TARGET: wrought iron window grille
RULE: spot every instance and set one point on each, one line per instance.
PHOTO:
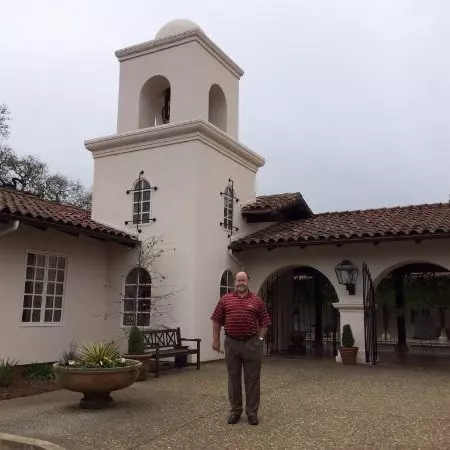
(140, 188)
(227, 224)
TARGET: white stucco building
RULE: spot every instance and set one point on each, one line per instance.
(177, 170)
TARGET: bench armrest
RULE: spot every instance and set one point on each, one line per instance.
(192, 340)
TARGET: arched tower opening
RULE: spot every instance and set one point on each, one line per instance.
(217, 112)
(154, 102)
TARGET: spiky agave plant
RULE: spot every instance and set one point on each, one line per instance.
(101, 355)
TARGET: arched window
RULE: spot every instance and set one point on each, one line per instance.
(137, 298)
(154, 102)
(226, 282)
(228, 208)
(217, 113)
(141, 201)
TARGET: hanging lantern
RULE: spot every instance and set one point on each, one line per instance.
(347, 274)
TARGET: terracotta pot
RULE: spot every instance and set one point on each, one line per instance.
(348, 355)
(97, 384)
(145, 368)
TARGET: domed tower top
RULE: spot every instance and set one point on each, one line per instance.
(175, 27)
(179, 76)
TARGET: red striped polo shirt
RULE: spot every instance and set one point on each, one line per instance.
(241, 316)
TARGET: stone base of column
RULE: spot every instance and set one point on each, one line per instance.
(353, 314)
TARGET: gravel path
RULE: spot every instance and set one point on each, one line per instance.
(305, 405)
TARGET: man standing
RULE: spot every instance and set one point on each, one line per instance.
(245, 320)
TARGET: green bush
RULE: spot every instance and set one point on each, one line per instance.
(7, 371)
(347, 336)
(39, 371)
(136, 344)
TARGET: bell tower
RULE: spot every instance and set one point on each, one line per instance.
(176, 170)
(179, 76)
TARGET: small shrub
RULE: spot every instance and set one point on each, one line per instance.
(70, 355)
(347, 336)
(39, 372)
(136, 344)
(7, 371)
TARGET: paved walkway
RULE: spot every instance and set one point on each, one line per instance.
(305, 405)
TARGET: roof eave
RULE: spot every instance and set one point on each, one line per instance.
(300, 206)
(73, 230)
(240, 246)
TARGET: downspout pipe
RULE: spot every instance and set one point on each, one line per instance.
(11, 229)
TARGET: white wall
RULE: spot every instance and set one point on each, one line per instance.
(188, 209)
(84, 302)
(211, 240)
(173, 169)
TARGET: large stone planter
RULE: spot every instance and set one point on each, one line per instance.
(97, 384)
(144, 369)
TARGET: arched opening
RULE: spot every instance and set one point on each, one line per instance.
(141, 201)
(217, 112)
(137, 298)
(226, 282)
(154, 102)
(413, 311)
(300, 303)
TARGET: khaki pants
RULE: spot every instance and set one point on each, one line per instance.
(246, 354)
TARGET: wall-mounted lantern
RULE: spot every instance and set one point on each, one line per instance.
(347, 274)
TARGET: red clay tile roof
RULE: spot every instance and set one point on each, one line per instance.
(274, 203)
(29, 208)
(418, 221)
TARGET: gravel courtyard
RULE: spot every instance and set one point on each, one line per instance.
(306, 404)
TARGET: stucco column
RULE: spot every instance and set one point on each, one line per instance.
(353, 314)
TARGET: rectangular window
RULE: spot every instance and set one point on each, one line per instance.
(44, 288)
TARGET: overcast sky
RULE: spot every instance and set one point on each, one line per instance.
(348, 100)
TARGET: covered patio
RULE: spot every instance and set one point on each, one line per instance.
(399, 242)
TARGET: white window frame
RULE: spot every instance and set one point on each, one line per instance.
(45, 282)
(122, 317)
(229, 286)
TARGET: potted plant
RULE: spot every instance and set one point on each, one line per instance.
(347, 350)
(96, 370)
(136, 351)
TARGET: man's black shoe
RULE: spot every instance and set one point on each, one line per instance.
(253, 420)
(233, 419)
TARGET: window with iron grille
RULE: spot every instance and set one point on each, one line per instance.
(137, 298)
(226, 282)
(141, 201)
(228, 208)
(43, 298)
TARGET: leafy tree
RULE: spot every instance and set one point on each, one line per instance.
(31, 174)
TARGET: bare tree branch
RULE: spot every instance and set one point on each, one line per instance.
(147, 255)
(29, 173)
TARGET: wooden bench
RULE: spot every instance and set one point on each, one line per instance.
(167, 343)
